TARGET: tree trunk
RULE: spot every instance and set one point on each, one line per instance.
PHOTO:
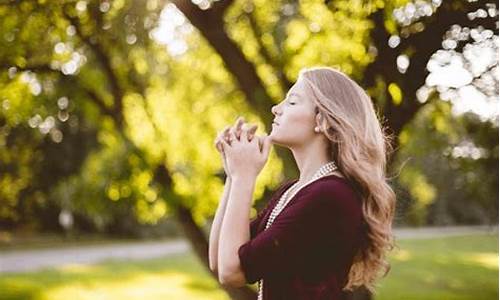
(210, 24)
(199, 244)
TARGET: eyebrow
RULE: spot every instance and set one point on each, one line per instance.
(292, 93)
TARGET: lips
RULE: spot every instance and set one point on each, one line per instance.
(275, 123)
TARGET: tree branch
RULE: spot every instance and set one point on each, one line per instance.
(276, 64)
(220, 7)
(104, 61)
(211, 25)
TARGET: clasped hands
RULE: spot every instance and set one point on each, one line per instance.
(243, 153)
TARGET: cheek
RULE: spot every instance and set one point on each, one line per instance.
(302, 120)
(298, 124)
(298, 115)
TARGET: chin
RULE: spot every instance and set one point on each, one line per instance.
(272, 137)
(275, 141)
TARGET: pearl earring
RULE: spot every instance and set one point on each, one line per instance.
(316, 129)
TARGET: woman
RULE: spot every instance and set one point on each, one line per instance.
(327, 232)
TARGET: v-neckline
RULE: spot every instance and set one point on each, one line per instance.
(291, 183)
(306, 185)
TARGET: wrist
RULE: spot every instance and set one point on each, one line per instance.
(243, 178)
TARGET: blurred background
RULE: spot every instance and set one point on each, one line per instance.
(109, 179)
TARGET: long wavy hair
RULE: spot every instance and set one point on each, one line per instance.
(360, 148)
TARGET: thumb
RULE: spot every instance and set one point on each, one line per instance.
(266, 146)
(260, 140)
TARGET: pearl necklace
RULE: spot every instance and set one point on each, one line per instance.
(324, 170)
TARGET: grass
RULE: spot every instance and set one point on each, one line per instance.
(452, 268)
(176, 277)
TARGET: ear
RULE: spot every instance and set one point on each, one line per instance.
(318, 116)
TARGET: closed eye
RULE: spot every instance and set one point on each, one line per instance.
(290, 97)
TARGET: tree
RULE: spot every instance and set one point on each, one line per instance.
(138, 98)
(422, 38)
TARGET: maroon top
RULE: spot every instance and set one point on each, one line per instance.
(307, 252)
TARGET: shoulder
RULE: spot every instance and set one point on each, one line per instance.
(332, 184)
(333, 191)
(335, 200)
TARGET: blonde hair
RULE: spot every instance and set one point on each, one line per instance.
(360, 147)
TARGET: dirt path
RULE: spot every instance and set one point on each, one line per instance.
(435, 232)
(31, 260)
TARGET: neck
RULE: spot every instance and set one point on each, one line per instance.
(310, 158)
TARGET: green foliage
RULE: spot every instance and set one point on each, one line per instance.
(87, 79)
(443, 173)
(114, 185)
(156, 108)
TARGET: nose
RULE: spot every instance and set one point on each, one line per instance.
(274, 109)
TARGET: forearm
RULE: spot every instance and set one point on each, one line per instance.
(235, 229)
(216, 226)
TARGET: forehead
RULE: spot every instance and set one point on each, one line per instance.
(298, 88)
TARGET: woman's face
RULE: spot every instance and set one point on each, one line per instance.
(294, 117)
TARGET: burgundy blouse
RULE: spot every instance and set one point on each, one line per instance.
(307, 252)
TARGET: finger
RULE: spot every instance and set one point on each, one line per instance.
(217, 141)
(255, 143)
(224, 149)
(239, 125)
(225, 133)
(251, 132)
(244, 133)
(225, 146)
(220, 134)
(218, 145)
(234, 136)
(231, 135)
(240, 120)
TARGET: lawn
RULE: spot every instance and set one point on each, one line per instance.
(175, 277)
(464, 267)
(452, 268)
